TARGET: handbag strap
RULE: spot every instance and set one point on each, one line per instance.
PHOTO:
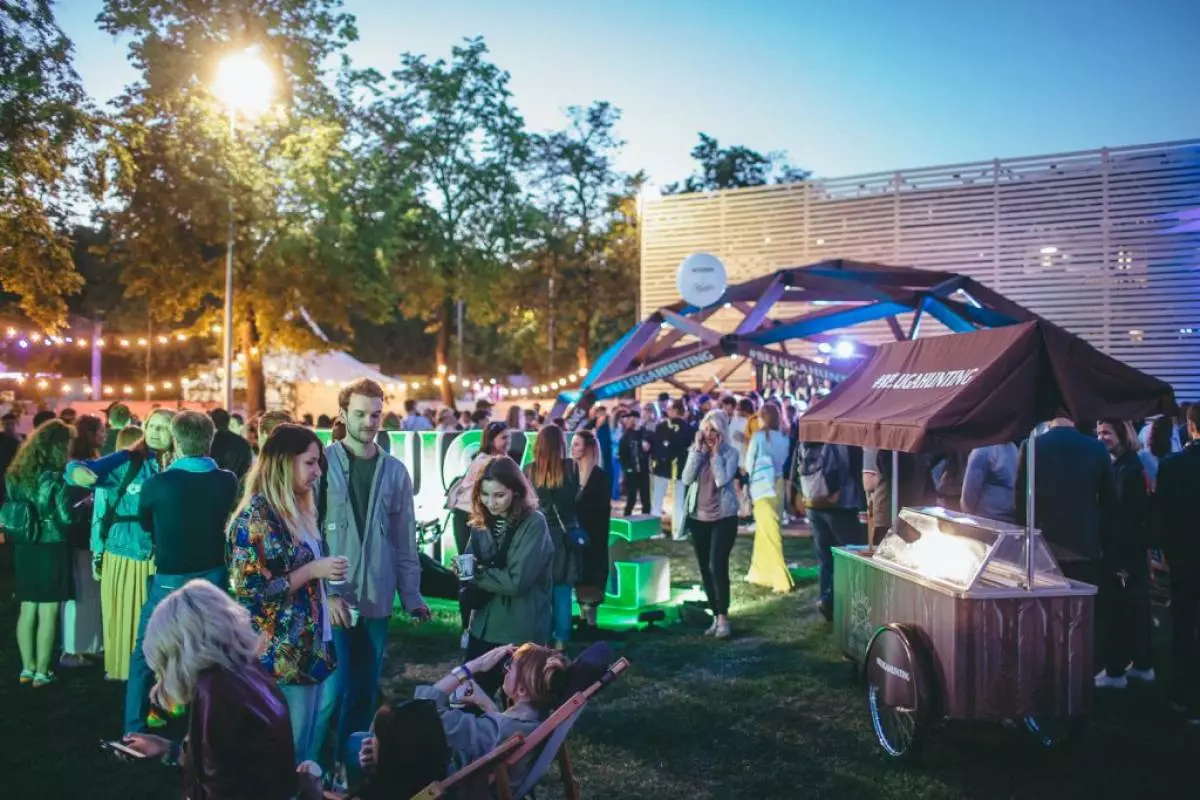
(136, 460)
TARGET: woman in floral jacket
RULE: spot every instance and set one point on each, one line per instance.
(277, 570)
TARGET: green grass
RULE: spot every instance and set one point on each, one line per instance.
(773, 713)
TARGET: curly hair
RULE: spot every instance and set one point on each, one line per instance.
(505, 471)
(44, 451)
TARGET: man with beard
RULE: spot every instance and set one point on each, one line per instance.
(366, 513)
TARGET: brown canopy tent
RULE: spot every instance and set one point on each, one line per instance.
(955, 392)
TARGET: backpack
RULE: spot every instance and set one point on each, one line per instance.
(820, 476)
(19, 521)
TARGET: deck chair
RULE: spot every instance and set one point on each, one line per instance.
(474, 776)
(549, 740)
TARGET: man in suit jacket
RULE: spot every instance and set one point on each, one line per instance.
(1178, 531)
(1074, 498)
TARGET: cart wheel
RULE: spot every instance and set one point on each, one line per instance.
(1055, 732)
(901, 697)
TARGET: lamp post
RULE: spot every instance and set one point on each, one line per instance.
(245, 85)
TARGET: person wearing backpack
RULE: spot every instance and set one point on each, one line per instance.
(36, 516)
(122, 550)
(832, 498)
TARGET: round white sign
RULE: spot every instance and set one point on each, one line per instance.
(701, 279)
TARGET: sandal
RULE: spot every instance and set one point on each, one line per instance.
(41, 679)
(26, 676)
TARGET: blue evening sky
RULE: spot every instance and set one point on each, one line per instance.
(845, 86)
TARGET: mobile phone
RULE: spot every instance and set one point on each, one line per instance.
(121, 750)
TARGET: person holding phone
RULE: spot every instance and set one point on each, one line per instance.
(204, 654)
(712, 464)
(277, 572)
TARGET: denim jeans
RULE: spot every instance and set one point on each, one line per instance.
(137, 690)
(304, 704)
(830, 527)
(560, 612)
(348, 695)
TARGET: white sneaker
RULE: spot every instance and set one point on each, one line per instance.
(1106, 681)
(1140, 675)
(723, 630)
(712, 629)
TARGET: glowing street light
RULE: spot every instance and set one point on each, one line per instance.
(245, 85)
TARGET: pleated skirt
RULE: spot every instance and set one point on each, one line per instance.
(122, 595)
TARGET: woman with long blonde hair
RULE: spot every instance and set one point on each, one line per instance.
(204, 655)
(593, 509)
(766, 455)
(555, 478)
(277, 572)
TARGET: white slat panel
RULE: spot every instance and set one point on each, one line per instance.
(1115, 276)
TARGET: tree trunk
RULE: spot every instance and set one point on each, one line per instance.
(585, 341)
(256, 385)
(443, 349)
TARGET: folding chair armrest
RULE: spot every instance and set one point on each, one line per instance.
(481, 764)
(543, 732)
(611, 674)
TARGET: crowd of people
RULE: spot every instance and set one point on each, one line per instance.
(245, 575)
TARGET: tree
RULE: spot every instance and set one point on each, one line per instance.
(44, 118)
(176, 163)
(735, 167)
(577, 178)
(450, 127)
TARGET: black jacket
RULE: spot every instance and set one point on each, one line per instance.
(669, 447)
(1074, 493)
(232, 452)
(631, 454)
(1176, 520)
(1128, 542)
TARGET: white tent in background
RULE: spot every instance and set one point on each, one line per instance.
(303, 383)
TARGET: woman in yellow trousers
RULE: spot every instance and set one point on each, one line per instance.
(765, 456)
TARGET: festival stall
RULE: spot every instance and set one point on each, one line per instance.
(953, 616)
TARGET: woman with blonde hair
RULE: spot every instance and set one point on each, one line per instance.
(204, 655)
(42, 553)
(122, 550)
(277, 572)
(712, 508)
(594, 512)
(555, 478)
(766, 454)
(508, 600)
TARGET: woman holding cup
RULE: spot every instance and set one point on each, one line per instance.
(278, 569)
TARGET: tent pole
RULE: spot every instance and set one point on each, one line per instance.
(895, 487)
(1030, 482)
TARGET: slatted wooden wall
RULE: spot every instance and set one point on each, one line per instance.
(1081, 238)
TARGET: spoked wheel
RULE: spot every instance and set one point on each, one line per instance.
(901, 697)
(1054, 733)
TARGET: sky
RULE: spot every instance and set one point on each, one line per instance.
(844, 86)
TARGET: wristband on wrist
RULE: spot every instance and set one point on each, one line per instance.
(462, 673)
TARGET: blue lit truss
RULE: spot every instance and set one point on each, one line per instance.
(675, 338)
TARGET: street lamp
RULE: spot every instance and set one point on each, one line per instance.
(245, 85)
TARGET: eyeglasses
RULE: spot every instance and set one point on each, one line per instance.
(508, 664)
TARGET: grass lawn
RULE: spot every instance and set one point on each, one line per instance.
(773, 713)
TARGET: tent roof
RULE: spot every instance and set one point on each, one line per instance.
(953, 393)
(331, 365)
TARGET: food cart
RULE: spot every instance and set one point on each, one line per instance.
(952, 616)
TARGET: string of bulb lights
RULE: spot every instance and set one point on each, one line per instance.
(30, 339)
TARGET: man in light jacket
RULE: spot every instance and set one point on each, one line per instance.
(368, 518)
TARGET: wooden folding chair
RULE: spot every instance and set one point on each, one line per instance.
(550, 738)
(477, 774)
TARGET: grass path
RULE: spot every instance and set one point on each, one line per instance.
(773, 713)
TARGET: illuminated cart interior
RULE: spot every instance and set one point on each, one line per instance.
(952, 616)
(944, 624)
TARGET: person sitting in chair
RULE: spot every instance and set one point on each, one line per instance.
(535, 682)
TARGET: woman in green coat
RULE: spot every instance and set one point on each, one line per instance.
(514, 560)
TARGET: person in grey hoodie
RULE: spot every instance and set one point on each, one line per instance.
(367, 518)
